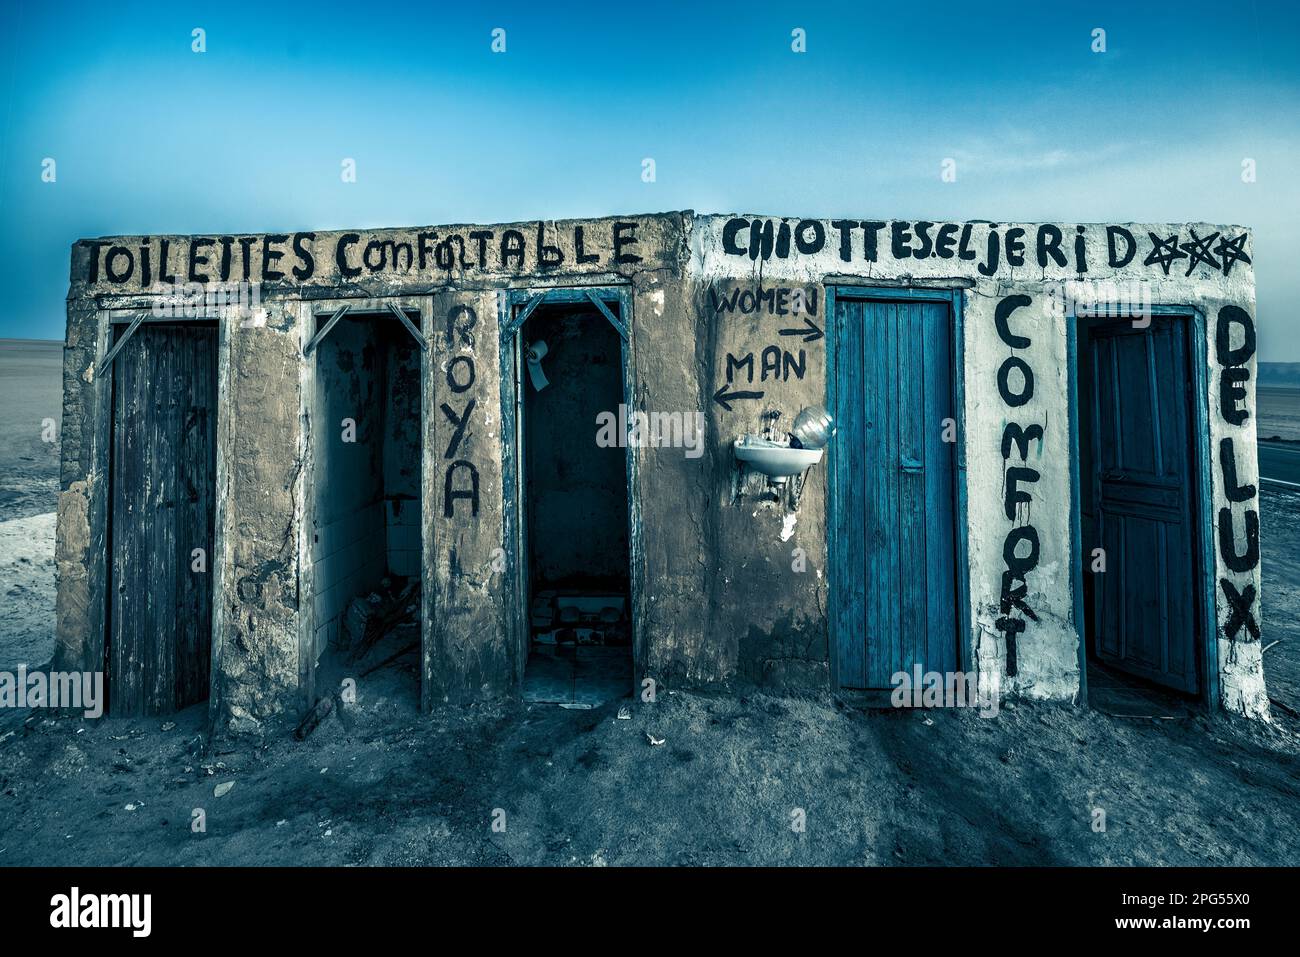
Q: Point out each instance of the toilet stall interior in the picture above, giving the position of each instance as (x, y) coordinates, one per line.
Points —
(365, 489)
(574, 491)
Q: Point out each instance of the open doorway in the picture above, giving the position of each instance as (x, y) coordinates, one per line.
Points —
(1139, 507)
(365, 488)
(162, 516)
(574, 504)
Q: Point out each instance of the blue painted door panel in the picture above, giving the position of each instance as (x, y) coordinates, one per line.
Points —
(893, 515)
(1146, 600)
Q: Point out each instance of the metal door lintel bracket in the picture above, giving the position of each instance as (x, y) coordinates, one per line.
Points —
(608, 314)
(518, 321)
(410, 326)
(107, 361)
(325, 330)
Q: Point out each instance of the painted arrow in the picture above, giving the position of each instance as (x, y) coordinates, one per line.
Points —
(810, 332)
(724, 398)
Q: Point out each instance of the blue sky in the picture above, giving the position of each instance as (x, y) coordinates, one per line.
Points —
(150, 137)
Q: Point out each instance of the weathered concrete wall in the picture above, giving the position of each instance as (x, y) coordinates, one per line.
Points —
(675, 637)
(733, 583)
(1234, 471)
(83, 495)
(255, 632)
(1202, 266)
(468, 651)
(768, 557)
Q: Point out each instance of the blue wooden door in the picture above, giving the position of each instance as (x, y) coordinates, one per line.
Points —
(1145, 610)
(894, 583)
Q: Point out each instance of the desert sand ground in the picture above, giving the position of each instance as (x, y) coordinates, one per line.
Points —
(380, 783)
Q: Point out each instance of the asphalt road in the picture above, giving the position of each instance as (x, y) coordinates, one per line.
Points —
(1279, 462)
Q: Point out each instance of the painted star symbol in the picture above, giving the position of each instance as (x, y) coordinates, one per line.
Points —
(1199, 251)
(1163, 252)
(1232, 251)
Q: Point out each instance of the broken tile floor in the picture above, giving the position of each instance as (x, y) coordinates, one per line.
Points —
(577, 676)
(1119, 695)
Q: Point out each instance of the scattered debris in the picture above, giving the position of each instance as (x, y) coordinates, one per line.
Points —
(368, 620)
(654, 742)
(169, 725)
(319, 712)
(406, 650)
(1147, 717)
(1285, 708)
(223, 788)
(1277, 641)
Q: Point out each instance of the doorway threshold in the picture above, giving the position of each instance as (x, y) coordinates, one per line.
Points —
(577, 676)
(1121, 695)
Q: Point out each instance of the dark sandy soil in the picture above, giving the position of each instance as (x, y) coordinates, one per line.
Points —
(27, 591)
(585, 788)
(31, 392)
(382, 784)
(1279, 542)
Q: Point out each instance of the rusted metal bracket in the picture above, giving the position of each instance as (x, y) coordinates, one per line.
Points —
(325, 330)
(518, 321)
(107, 361)
(410, 326)
(608, 314)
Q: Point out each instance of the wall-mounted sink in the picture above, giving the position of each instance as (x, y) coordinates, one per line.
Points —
(777, 462)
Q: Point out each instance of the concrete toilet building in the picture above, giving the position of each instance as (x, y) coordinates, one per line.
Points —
(1043, 464)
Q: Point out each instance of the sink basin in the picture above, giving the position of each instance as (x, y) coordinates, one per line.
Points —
(775, 461)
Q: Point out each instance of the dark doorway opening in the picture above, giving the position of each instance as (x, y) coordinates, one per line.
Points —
(366, 540)
(1138, 499)
(574, 490)
(162, 521)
